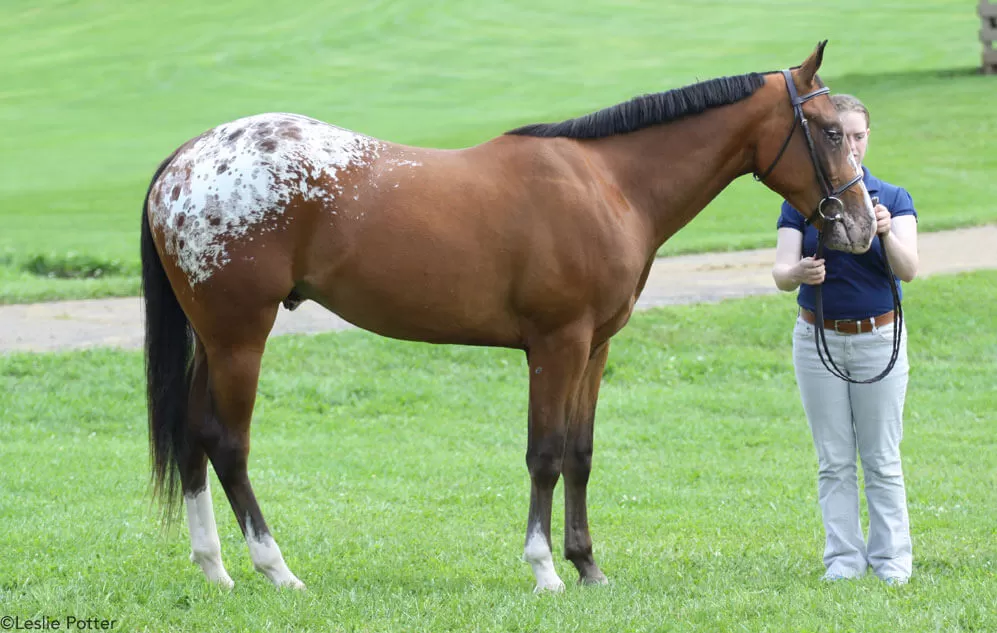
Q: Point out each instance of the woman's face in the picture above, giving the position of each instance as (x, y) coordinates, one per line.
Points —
(857, 132)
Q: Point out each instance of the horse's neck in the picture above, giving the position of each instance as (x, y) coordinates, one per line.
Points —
(670, 172)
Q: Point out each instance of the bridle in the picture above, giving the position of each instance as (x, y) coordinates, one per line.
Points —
(831, 198)
(827, 187)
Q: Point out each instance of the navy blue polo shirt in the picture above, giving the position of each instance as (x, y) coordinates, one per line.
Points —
(855, 286)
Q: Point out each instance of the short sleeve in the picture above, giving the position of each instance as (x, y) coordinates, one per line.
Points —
(903, 204)
(790, 218)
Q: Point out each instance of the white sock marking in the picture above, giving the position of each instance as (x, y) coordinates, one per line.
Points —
(537, 554)
(268, 560)
(205, 548)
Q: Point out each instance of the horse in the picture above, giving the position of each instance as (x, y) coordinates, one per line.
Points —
(540, 239)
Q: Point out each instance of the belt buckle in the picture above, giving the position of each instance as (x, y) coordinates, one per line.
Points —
(837, 322)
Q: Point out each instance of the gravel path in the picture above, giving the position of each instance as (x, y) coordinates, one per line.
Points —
(67, 325)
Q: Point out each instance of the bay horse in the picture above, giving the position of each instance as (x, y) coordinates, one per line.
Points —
(540, 239)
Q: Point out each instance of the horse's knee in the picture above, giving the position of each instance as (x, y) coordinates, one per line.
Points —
(545, 460)
(579, 463)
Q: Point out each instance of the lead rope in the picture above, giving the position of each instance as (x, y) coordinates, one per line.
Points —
(820, 337)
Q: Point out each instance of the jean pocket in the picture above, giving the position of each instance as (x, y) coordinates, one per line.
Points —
(885, 332)
(802, 329)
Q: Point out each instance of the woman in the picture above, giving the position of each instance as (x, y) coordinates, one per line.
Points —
(844, 417)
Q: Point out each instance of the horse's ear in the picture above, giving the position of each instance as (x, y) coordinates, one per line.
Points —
(809, 67)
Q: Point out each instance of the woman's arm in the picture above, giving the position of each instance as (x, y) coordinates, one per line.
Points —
(899, 236)
(790, 270)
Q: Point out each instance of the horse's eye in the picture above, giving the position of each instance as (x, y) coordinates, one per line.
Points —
(833, 135)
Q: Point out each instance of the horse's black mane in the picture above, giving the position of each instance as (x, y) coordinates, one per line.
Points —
(652, 109)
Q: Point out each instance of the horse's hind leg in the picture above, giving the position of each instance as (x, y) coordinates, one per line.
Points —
(205, 548)
(577, 466)
(233, 370)
(556, 366)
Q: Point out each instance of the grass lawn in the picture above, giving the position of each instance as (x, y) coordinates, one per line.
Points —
(96, 93)
(393, 477)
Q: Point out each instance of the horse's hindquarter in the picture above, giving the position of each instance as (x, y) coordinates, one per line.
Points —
(232, 203)
(474, 246)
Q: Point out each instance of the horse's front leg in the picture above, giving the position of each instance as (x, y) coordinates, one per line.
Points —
(577, 466)
(556, 366)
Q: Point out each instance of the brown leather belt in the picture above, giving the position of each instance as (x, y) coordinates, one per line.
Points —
(850, 326)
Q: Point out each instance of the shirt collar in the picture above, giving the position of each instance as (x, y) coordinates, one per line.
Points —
(872, 184)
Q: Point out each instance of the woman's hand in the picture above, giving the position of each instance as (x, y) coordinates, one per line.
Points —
(790, 270)
(809, 271)
(883, 220)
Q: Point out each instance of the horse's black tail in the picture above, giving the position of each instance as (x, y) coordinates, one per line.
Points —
(168, 353)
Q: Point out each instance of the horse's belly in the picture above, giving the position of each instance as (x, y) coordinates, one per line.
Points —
(397, 304)
(432, 320)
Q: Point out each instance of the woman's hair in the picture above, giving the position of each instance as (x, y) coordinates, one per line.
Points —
(848, 103)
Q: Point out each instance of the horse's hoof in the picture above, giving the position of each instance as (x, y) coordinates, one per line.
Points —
(594, 580)
(550, 586)
(291, 583)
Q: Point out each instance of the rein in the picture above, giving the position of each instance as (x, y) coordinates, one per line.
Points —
(820, 336)
(831, 198)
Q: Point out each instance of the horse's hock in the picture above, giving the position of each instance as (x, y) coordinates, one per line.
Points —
(988, 35)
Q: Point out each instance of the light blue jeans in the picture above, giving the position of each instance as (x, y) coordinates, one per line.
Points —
(845, 418)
